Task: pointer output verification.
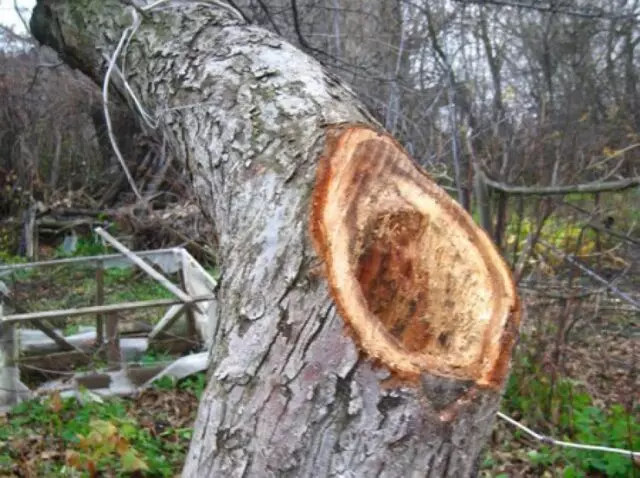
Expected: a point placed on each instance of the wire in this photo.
(105, 102)
(552, 441)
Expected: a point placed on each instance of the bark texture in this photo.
(290, 393)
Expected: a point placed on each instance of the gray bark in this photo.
(289, 394)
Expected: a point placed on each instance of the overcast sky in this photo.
(9, 17)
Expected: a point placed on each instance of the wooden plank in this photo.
(81, 260)
(167, 320)
(113, 342)
(146, 304)
(151, 272)
(30, 232)
(99, 301)
(192, 332)
(172, 346)
(7, 359)
(47, 330)
(140, 374)
(53, 335)
(51, 363)
(12, 390)
(199, 281)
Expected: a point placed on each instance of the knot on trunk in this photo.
(422, 288)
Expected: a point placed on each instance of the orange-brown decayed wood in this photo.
(420, 285)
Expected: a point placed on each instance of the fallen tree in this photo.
(365, 324)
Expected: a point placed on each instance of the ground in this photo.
(595, 403)
(149, 435)
(143, 436)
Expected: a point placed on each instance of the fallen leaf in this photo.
(131, 462)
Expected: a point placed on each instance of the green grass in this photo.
(74, 285)
(146, 436)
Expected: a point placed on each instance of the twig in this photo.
(17, 8)
(571, 260)
(105, 104)
(593, 187)
(552, 8)
(603, 227)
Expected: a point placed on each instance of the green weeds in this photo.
(146, 436)
(566, 411)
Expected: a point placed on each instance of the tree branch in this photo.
(593, 187)
(593, 13)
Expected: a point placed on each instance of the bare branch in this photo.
(571, 260)
(549, 7)
(18, 10)
(593, 187)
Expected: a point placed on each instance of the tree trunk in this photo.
(365, 323)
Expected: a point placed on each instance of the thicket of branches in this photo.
(56, 157)
(530, 95)
(546, 97)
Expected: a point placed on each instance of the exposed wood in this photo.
(423, 288)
